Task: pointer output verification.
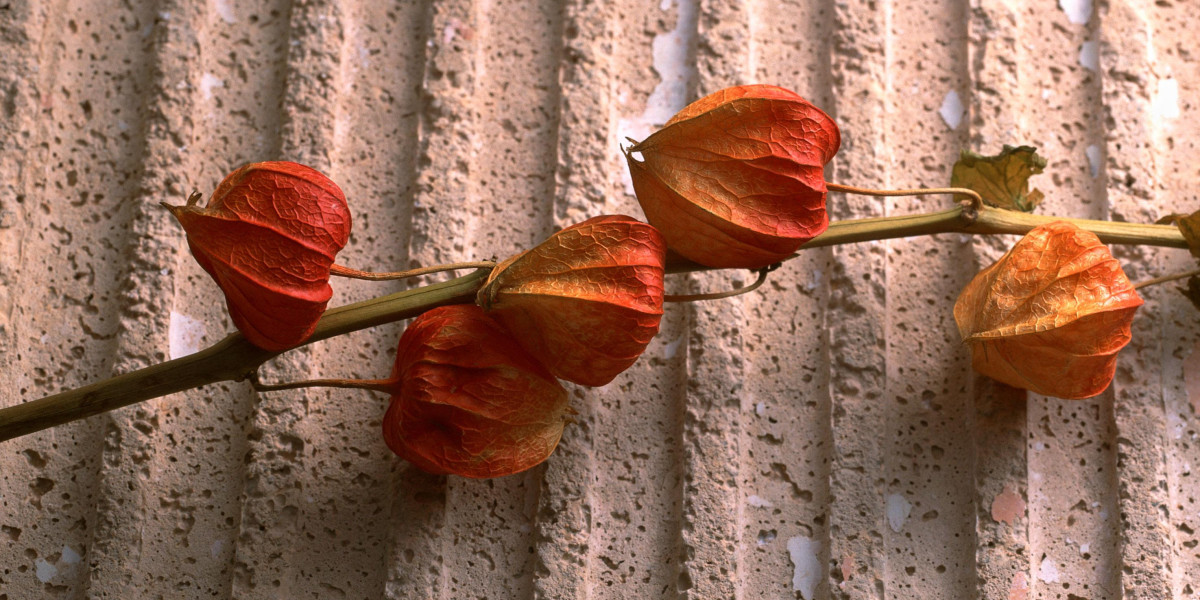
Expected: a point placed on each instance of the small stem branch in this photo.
(762, 277)
(976, 199)
(1165, 278)
(341, 271)
(386, 386)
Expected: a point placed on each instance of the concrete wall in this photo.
(825, 438)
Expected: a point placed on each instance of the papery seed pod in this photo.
(268, 237)
(736, 179)
(1051, 315)
(586, 301)
(469, 400)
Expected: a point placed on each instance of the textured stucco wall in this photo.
(822, 439)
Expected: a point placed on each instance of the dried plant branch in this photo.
(234, 358)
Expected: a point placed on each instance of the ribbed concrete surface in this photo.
(823, 439)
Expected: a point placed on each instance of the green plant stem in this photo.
(233, 358)
(386, 386)
(976, 199)
(1165, 278)
(762, 277)
(347, 272)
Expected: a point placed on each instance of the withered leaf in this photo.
(1003, 179)
(585, 302)
(1192, 291)
(469, 400)
(1189, 226)
(268, 236)
(736, 179)
(1169, 219)
(1050, 315)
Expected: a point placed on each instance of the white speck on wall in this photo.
(1176, 424)
(1094, 157)
(760, 409)
(807, 566)
(215, 550)
(952, 109)
(208, 81)
(670, 52)
(1048, 571)
(225, 10)
(1089, 55)
(70, 556)
(1039, 446)
(758, 502)
(814, 280)
(184, 335)
(1078, 11)
(671, 348)
(1046, 93)
(897, 511)
(44, 570)
(1084, 547)
(1166, 100)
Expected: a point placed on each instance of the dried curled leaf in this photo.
(1003, 179)
(1050, 315)
(1192, 291)
(736, 179)
(1189, 226)
(268, 237)
(470, 401)
(585, 302)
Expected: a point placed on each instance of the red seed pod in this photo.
(1050, 315)
(268, 237)
(469, 400)
(736, 179)
(586, 301)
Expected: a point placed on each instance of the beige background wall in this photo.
(823, 439)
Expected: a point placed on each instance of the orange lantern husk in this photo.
(268, 237)
(585, 302)
(736, 179)
(469, 400)
(1050, 315)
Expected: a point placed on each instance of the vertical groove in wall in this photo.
(584, 170)
(378, 112)
(55, 197)
(996, 117)
(239, 75)
(856, 314)
(636, 508)
(786, 441)
(442, 231)
(1177, 129)
(1131, 87)
(140, 512)
(288, 437)
(490, 524)
(713, 439)
(19, 157)
(930, 521)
